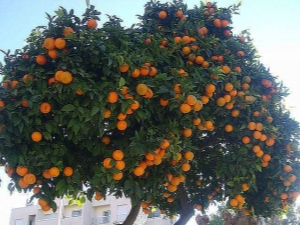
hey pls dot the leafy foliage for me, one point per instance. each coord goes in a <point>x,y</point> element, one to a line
<point>175,93</point>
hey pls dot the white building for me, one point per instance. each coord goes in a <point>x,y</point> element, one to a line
<point>104,212</point>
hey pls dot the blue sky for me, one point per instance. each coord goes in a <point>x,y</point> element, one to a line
<point>274,25</point>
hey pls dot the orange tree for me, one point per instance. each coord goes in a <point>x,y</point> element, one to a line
<point>174,112</point>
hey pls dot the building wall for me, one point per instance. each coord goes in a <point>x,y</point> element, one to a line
<point>104,212</point>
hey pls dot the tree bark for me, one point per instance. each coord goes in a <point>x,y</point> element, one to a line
<point>187,211</point>
<point>130,219</point>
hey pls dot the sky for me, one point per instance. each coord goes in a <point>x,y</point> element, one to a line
<point>273,24</point>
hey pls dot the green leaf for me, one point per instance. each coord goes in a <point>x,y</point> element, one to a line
<point>68,108</point>
<point>122,82</point>
<point>230,183</point>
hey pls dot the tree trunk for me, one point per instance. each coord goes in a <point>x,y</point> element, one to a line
<point>135,209</point>
<point>187,210</point>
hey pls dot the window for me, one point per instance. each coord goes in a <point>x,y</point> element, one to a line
<point>76,213</point>
<point>106,216</point>
<point>31,220</point>
<point>122,212</point>
<point>19,222</point>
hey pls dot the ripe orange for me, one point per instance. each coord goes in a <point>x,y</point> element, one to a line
<point>135,73</point>
<point>164,144</point>
<point>217,23</point>
<point>185,167</point>
<point>45,107</point>
<point>66,77</point>
<point>36,136</point>
<point>187,132</point>
<point>162,15</point>
<point>68,31</point>
<point>121,125</point>
<point>246,140</point>
<point>189,155</point>
<point>22,170</point>
<point>226,69</point>
<point>49,43</point>
<point>118,176</point>
<point>186,50</point>
<point>92,24</point>
<point>112,97</point>
<point>60,43</point>
<point>235,113</point>
<point>141,89</point>
<point>199,59</point>
<point>118,155</point>
<point>185,108</point>
<point>233,202</point>
<point>124,68</point>
<point>107,163</point>
<point>120,164</point>
<point>54,171</point>
<point>198,106</point>
<point>52,54</point>
<point>29,178</point>
<point>221,101</point>
<point>210,88</point>
<point>251,125</point>
<point>68,171</point>
<point>163,102</point>
<point>139,171</point>
<point>191,100</point>
<point>27,78</point>
<point>228,128</point>
<point>41,60</point>
<point>287,168</point>
<point>153,71</point>
<point>245,187</point>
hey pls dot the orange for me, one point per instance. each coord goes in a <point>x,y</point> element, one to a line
<point>257,134</point>
<point>54,171</point>
<point>270,141</point>
<point>46,174</point>
<point>233,202</point>
<point>210,88</point>
<point>118,155</point>
<point>235,113</point>
<point>256,148</point>
<point>163,102</point>
<point>217,23</point>
<point>175,181</point>
<point>245,187</point>
<point>22,183</point>
<point>66,77</point>
<point>196,121</point>
<point>221,101</point>
<point>36,136</point>
<point>287,168</point>
<point>118,176</point>
<point>105,140</point>
<point>186,39</point>
<point>41,60</point>
<point>185,108</point>
<point>199,59</point>
<point>185,167</point>
<point>45,107</point>
<point>27,78</point>
<point>189,155</point>
<point>25,103</point>
<point>121,125</point>
<point>121,116</point>
<point>172,188</point>
<point>251,125</point>
<point>141,89</point>
<point>226,69</point>
<point>112,97</point>
<point>135,73</point>
<point>107,163</point>
<point>36,190</point>
<point>228,128</point>
<point>292,178</point>
<point>52,54</point>
<point>204,99</point>
<point>42,202</point>
<point>246,140</point>
<point>191,100</point>
<point>186,50</point>
<point>49,43</point>
<point>259,153</point>
<point>205,64</point>
<point>60,43</point>
<point>266,157</point>
<point>120,165</point>
<point>124,68</point>
<point>68,171</point>
<point>162,15</point>
<point>164,144</point>
<point>198,106</point>
<point>139,171</point>
<point>92,24</point>
<point>68,31</point>
<point>153,71</point>
<point>107,113</point>
<point>29,178</point>
<point>187,132</point>
<point>22,170</point>
<point>177,89</point>
<point>228,87</point>
<point>259,126</point>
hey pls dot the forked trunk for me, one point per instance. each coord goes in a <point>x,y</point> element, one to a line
<point>187,209</point>
<point>135,209</point>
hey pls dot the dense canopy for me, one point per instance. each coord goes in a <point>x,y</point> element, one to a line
<point>174,112</point>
